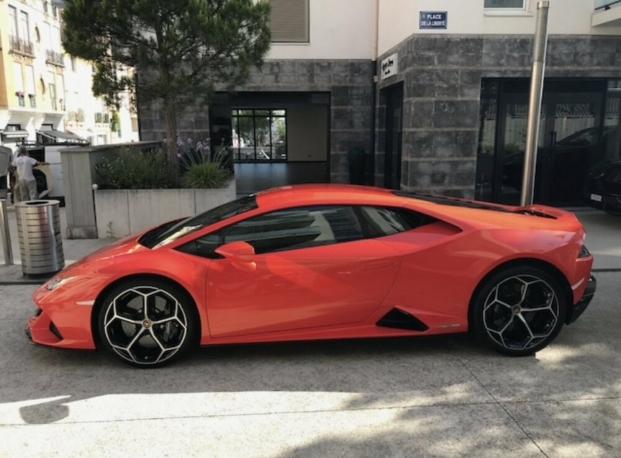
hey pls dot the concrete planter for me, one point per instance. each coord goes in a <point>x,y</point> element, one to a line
<point>120,212</point>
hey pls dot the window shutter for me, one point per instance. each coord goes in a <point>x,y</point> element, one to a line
<point>18,77</point>
<point>289,21</point>
<point>504,4</point>
<point>30,80</point>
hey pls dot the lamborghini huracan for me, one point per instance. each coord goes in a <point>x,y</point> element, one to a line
<point>313,262</point>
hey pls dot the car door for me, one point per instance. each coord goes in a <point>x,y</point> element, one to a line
<point>313,267</point>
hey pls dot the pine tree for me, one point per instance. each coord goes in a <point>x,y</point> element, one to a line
<point>179,50</point>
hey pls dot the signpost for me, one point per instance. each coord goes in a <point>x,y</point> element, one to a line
<point>534,103</point>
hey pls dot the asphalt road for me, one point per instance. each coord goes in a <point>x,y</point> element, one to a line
<point>407,397</point>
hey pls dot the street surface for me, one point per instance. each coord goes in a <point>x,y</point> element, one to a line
<point>443,396</point>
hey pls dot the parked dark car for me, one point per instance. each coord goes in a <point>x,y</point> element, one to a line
<point>562,166</point>
<point>604,187</point>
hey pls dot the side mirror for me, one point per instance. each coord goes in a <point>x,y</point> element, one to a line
<point>240,254</point>
<point>236,250</point>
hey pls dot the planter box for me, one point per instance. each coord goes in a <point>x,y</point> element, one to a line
<point>120,212</point>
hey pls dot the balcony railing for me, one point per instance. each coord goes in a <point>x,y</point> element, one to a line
<point>605,4</point>
<point>17,45</point>
<point>55,58</point>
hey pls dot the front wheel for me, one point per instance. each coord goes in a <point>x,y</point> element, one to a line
<point>148,323</point>
<point>519,311</point>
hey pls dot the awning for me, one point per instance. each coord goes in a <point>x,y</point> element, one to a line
<point>81,133</point>
<point>59,135</point>
<point>14,134</point>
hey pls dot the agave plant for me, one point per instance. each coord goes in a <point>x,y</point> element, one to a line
<point>201,170</point>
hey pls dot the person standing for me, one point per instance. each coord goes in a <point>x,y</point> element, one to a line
<point>26,183</point>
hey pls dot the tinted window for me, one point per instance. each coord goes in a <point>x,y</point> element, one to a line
<point>285,230</point>
<point>382,221</point>
<point>297,228</point>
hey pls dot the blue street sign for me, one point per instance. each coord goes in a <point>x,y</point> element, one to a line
<point>433,20</point>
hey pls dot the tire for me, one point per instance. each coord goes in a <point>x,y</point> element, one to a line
<point>518,311</point>
<point>148,323</point>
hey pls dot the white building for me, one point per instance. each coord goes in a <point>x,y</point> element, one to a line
<point>32,81</point>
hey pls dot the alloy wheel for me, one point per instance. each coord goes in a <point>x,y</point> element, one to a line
<point>521,312</point>
<point>145,325</point>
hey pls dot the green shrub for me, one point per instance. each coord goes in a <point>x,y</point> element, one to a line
<point>132,169</point>
<point>204,175</point>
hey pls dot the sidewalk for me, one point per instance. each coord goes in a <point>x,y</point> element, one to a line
<point>603,240</point>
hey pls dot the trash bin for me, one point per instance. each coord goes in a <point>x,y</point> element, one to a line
<point>40,241</point>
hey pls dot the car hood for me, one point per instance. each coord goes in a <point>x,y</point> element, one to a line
<point>121,247</point>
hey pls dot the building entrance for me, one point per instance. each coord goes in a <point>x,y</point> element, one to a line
<point>573,137</point>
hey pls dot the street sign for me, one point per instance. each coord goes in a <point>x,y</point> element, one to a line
<point>433,20</point>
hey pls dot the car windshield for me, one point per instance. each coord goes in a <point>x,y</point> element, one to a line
<point>168,233</point>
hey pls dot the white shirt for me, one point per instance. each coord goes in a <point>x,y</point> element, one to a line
<point>24,166</point>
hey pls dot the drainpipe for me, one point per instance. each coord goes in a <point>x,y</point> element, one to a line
<point>534,103</point>
<point>374,95</point>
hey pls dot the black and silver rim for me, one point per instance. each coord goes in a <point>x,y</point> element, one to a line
<point>145,325</point>
<point>521,312</point>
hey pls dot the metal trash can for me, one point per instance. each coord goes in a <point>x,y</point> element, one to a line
<point>40,241</point>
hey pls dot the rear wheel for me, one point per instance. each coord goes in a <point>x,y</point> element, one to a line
<point>519,311</point>
<point>148,323</point>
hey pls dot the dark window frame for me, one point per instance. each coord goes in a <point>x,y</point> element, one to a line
<point>255,113</point>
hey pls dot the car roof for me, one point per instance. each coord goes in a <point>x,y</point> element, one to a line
<point>306,194</point>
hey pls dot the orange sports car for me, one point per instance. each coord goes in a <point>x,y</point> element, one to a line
<point>324,262</point>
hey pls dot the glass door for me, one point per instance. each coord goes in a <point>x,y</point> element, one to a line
<point>568,142</point>
<point>394,134</point>
<point>572,140</point>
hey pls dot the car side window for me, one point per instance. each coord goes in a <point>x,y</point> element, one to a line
<point>309,226</point>
<point>204,246</point>
<point>297,228</point>
<point>382,221</point>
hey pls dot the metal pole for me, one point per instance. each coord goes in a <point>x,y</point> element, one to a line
<point>534,102</point>
<point>5,234</point>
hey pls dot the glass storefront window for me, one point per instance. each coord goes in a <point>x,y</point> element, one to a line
<point>579,127</point>
<point>259,135</point>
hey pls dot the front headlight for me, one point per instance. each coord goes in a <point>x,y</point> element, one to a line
<point>583,252</point>
<point>55,282</point>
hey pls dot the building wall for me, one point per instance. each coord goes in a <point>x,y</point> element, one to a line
<point>442,80</point>
<point>349,84</point>
<point>339,29</point>
<point>82,108</point>
<point>307,135</point>
<point>38,64</point>
<point>399,19</point>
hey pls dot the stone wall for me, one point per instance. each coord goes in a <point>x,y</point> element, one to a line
<point>442,81</point>
<point>350,84</point>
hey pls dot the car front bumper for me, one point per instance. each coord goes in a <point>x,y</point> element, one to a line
<point>42,330</point>
<point>584,302</point>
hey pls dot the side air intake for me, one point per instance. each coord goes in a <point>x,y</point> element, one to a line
<point>399,319</point>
